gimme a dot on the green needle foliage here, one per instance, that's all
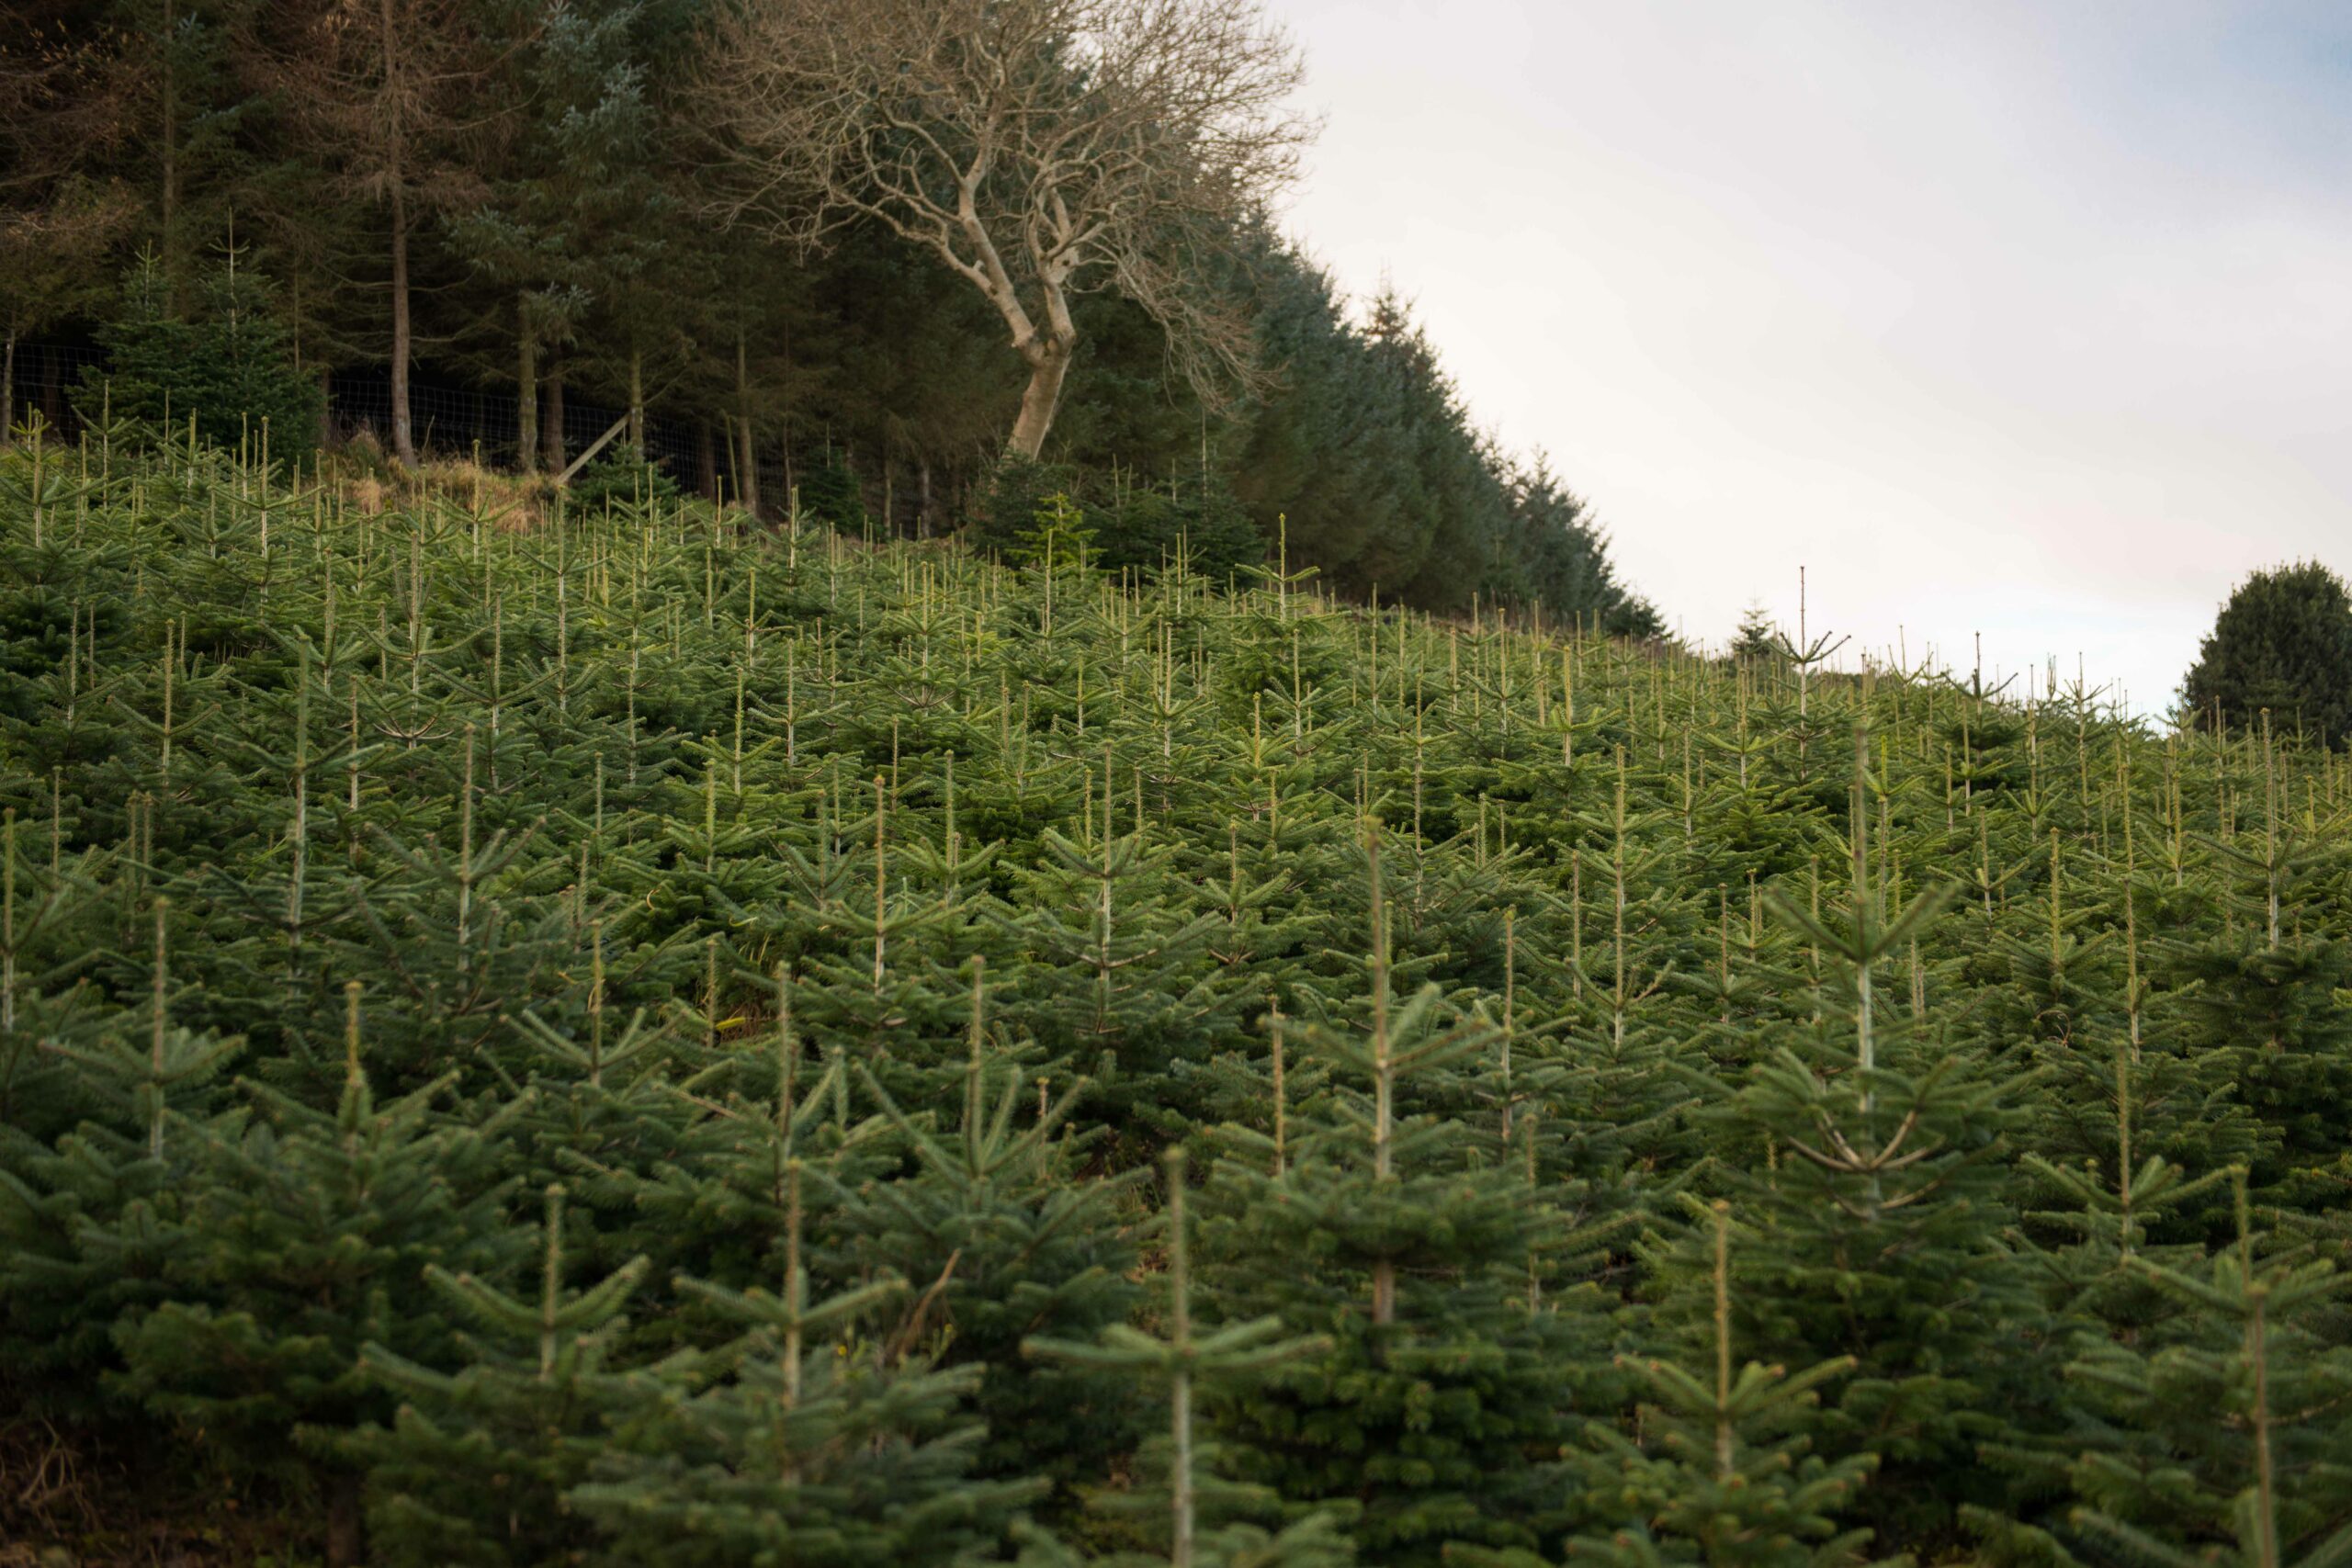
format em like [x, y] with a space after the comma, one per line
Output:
[476, 1464]
[1723, 1475]
[2283, 644]
[849, 936]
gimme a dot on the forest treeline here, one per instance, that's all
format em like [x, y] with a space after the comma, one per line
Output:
[644, 203]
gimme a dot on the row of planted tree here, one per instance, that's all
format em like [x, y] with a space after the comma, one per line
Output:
[627, 1043]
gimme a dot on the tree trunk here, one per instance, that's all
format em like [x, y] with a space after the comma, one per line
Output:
[1049, 364]
[8, 394]
[346, 1545]
[922, 507]
[637, 401]
[52, 413]
[526, 400]
[747, 479]
[706, 462]
[171, 202]
[326, 410]
[551, 429]
[404, 432]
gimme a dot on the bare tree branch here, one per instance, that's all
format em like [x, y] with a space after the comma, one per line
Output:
[1039, 148]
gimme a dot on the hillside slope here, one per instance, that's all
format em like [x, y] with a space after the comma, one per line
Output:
[827, 942]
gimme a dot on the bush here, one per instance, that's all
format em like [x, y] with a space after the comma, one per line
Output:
[231, 365]
[2282, 642]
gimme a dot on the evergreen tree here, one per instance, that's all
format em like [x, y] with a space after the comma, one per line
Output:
[799, 1438]
[1723, 1475]
[1435, 1415]
[2283, 642]
[1186, 1360]
[1879, 1211]
[225, 373]
[1756, 638]
[1026, 1246]
[475, 1463]
[2265, 1486]
[306, 1241]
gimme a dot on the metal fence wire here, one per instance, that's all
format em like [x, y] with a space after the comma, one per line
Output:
[446, 419]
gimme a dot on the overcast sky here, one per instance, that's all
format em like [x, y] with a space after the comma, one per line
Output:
[2027, 319]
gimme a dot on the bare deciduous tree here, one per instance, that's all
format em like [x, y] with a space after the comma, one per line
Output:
[1040, 148]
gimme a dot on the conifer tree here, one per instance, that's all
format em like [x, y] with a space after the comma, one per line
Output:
[2282, 643]
[1722, 1474]
[1878, 1213]
[474, 1467]
[307, 1240]
[1433, 1417]
[1025, 1244]
[2265, 1485]
[1186, 1359]
[800, 1438]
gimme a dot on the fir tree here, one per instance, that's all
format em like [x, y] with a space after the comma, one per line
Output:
[307, 1240]
[475, 1463]
[1431, 1417]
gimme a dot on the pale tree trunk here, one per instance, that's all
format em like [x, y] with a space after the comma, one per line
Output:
[526, 400]
[922, 509]
[747, 478]
[403, 433]
[171, 107]
[8, 394]
[1048, 365]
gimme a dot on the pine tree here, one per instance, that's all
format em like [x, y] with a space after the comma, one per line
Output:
[306, 1241]
[1144, 992]
[1723, 1475]
[1756, 638]
[475, 1463]
[1434, 1415]
[1878, 1210]
[2281, 645]
[1025, 1244]
[2266, 990]
[223, 372]
[1185, 1360]
[799, 1438]
[2265, 1485]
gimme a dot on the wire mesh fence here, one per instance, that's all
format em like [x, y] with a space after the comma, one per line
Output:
[448, 420]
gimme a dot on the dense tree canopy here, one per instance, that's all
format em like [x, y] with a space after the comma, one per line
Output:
[685, 210]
